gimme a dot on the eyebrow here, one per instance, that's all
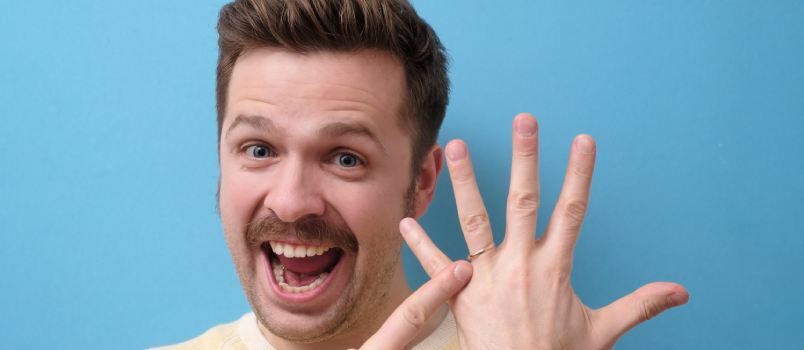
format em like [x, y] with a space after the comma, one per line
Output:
[336, 129]
[255, 121]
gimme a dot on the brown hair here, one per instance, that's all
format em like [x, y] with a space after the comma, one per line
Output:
[345, 25]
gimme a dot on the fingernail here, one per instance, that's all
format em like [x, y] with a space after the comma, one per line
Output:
[456, 150]
[584, 145]
[462, 272]
[525, 126]
[677, 299]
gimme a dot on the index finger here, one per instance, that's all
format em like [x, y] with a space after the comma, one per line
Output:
[410, 317]
[430, 257]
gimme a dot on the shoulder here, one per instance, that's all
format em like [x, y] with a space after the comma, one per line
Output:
[220, 337]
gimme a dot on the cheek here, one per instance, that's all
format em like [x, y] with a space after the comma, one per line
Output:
[372, 212]
[239, 198]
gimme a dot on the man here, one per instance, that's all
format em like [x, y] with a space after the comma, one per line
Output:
[328, 112]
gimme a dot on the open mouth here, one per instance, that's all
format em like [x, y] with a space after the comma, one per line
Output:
[300, 270]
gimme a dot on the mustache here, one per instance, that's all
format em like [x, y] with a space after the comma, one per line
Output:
[309, 229]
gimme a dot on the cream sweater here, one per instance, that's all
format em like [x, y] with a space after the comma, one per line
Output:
[244, 334]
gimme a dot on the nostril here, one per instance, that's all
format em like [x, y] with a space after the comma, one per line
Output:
[296, 209]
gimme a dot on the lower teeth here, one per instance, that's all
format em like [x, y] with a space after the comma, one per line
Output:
[279, 274]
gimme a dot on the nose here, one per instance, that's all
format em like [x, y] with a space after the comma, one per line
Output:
[294, 193]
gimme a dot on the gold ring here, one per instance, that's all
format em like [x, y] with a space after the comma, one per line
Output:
[481, 251]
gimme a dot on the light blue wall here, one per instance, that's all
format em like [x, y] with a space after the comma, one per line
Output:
[109, 236]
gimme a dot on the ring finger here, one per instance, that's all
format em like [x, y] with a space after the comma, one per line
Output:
[471, 210]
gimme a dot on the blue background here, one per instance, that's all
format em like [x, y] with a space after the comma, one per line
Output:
[109, 236]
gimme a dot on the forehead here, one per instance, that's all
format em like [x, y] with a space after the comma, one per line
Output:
[369, 81]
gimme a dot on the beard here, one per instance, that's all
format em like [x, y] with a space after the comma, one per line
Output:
[362, 304]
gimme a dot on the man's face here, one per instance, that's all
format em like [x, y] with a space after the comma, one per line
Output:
[315, 166]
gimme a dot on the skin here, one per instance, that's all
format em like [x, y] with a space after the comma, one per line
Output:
[523, 284]
[306, 112]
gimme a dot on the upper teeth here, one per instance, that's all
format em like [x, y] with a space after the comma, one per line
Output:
[297, 250]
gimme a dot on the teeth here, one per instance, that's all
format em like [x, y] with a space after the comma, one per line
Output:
[289, 253]
[279, 273]
[300, 251]
[280, 279]
[296, 250]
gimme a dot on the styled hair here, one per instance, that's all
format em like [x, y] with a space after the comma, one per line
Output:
[304, 26]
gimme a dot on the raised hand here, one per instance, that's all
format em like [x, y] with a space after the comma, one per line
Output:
[520, 296]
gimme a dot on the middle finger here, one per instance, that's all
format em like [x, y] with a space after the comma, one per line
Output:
[523, 193]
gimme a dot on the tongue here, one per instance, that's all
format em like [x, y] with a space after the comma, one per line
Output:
[311, 265]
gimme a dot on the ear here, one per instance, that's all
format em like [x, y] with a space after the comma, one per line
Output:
[426, 182]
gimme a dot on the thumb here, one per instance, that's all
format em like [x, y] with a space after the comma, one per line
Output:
[641, 305]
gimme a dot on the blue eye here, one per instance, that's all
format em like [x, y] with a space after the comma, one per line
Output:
[348, 160]
[259, 151]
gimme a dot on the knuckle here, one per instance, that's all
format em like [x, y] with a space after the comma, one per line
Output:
[435, 265]
[647, 310]
[415, 240]
[557, 273]
[517, 273]
[576, 210]
[562, 277]
[582, 170]
[462, 174]
[414, 315]
[526, 148]
[476, 223]
[518, 280]
[526, 151]
[525, 201]
[519, 291]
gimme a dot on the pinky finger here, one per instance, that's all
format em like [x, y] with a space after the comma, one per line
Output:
[408, 319]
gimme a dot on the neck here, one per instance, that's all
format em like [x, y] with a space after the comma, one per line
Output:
[355, 336]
